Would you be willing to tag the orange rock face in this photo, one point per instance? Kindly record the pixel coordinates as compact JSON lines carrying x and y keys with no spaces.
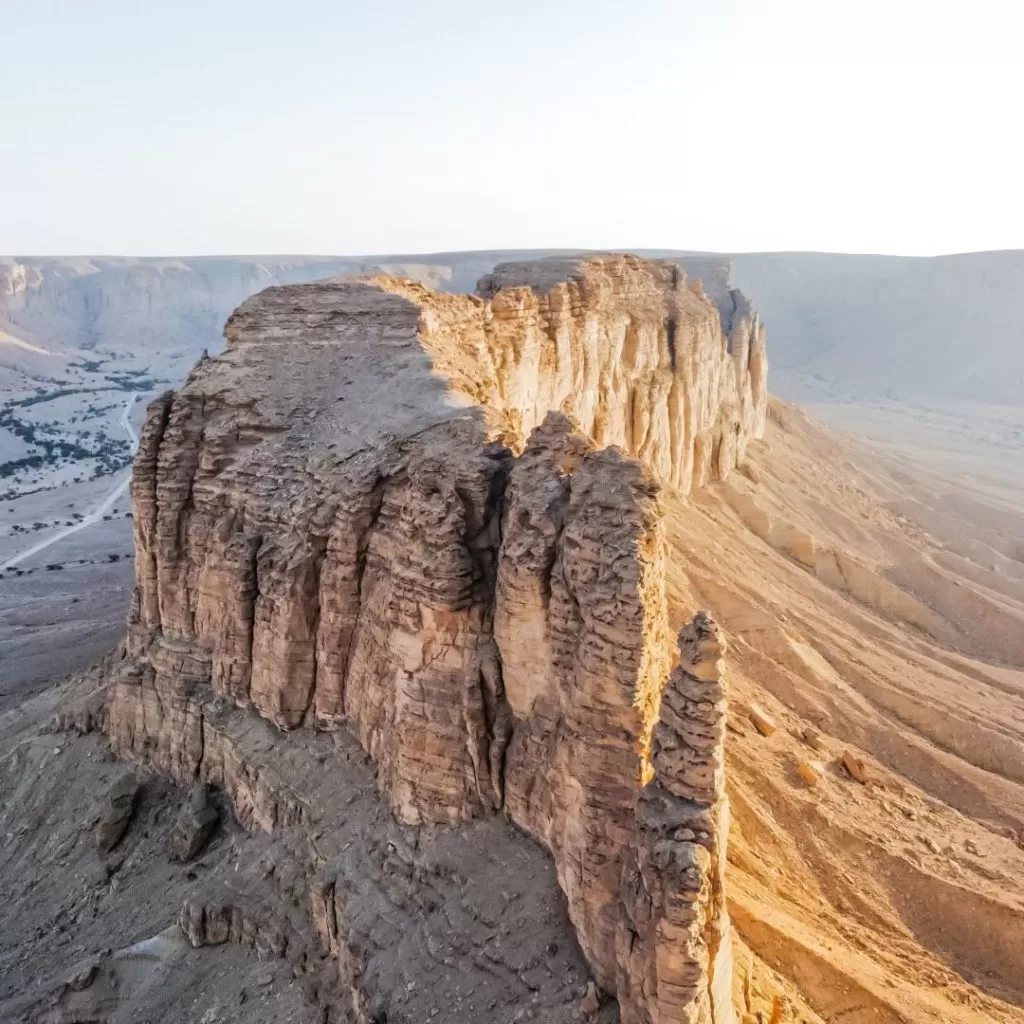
{"x":394,"y":511}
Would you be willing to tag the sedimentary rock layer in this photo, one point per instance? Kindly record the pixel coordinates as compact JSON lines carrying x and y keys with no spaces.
{"x":397,"y":511}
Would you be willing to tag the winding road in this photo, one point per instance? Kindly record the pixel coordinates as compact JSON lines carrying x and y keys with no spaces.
{"x":99,"y":511}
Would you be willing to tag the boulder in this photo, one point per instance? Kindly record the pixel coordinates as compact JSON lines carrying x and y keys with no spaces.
{"x":197,"y":821}
{"x":763,"y":722}
{"x":812,"y":738}
{"x":118,"y":808}
{"x":83,"y":974}
{"x":809,"y":771}
{"x":855,"y":767}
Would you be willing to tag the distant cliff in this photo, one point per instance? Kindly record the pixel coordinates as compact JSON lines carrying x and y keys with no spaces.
{"x":843,"y":326}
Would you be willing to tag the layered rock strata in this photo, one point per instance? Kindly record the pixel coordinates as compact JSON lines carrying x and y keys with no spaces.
{"x":376,"y":510}
{"x":637,"y":353}
{"x":580,"y":625}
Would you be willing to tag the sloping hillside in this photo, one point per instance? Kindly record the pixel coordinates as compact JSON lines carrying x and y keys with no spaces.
{"x":879,"y":612}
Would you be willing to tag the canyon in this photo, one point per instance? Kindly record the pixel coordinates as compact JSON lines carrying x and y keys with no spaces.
{"x":548,"y":668}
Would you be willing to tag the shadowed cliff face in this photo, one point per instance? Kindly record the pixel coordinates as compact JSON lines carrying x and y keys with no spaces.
{"x":377,"y":510}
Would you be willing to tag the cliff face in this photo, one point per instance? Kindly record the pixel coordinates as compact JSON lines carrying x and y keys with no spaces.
{"x":376,"y":510}
{"x":580,"y":627}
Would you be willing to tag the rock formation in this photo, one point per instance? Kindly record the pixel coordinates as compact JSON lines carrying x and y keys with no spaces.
{"x":580,"y":625}
{"x":397,"y":511}
{"x":674,"y":952}
{"x":118,"y":809}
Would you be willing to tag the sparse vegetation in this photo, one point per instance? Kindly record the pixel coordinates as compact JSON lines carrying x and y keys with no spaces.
{"x":55,"y":448}
{"x":132,"y":380}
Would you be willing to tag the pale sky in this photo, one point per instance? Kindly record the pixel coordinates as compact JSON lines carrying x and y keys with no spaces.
{"x":327,"y":126}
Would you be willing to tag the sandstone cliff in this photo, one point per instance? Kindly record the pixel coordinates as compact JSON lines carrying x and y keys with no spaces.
{"x":396,"y":511}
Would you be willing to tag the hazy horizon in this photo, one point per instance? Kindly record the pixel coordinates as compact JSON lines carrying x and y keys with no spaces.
{"x":347,"y":129}
{"x":505,"y":250}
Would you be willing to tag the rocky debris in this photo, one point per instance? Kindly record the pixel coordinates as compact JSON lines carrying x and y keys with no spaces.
{"x":812,"y":738}
{"x":118,"y":808}
{"x":855,"y":767}
{"x":83,"y":974}
{"x":194,"y":828}
{"x":810,"y":771}
{"x":763,"y":722}
{"x":409,"y":906}
{"x":674,"y":950}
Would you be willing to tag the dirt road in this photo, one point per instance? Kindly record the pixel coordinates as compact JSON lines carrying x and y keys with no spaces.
{"x":99,"y":511}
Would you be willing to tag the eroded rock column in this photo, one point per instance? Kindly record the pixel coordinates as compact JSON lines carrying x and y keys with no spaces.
{"x":673,"y":948}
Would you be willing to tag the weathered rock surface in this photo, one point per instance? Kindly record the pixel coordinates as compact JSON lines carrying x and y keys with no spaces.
{"x":581,"y":627}
{"x":674,"y":952}
{"x":395,"y":510}
{"x":318,"y":511}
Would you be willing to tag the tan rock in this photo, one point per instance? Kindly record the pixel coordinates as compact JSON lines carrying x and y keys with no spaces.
{"x":674,"y":947}
{"x":582,"y":567}
{"x":591,"y":1001}
{"x":812,"y":738}
{"x":763,"y":722}
{"x":197,"y":821}
{"x":83,"y":973}
{"x":318,"y":533}
{"x":118,"y":808}
{"x":810,"y":771}
{"x":855,"y":767}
